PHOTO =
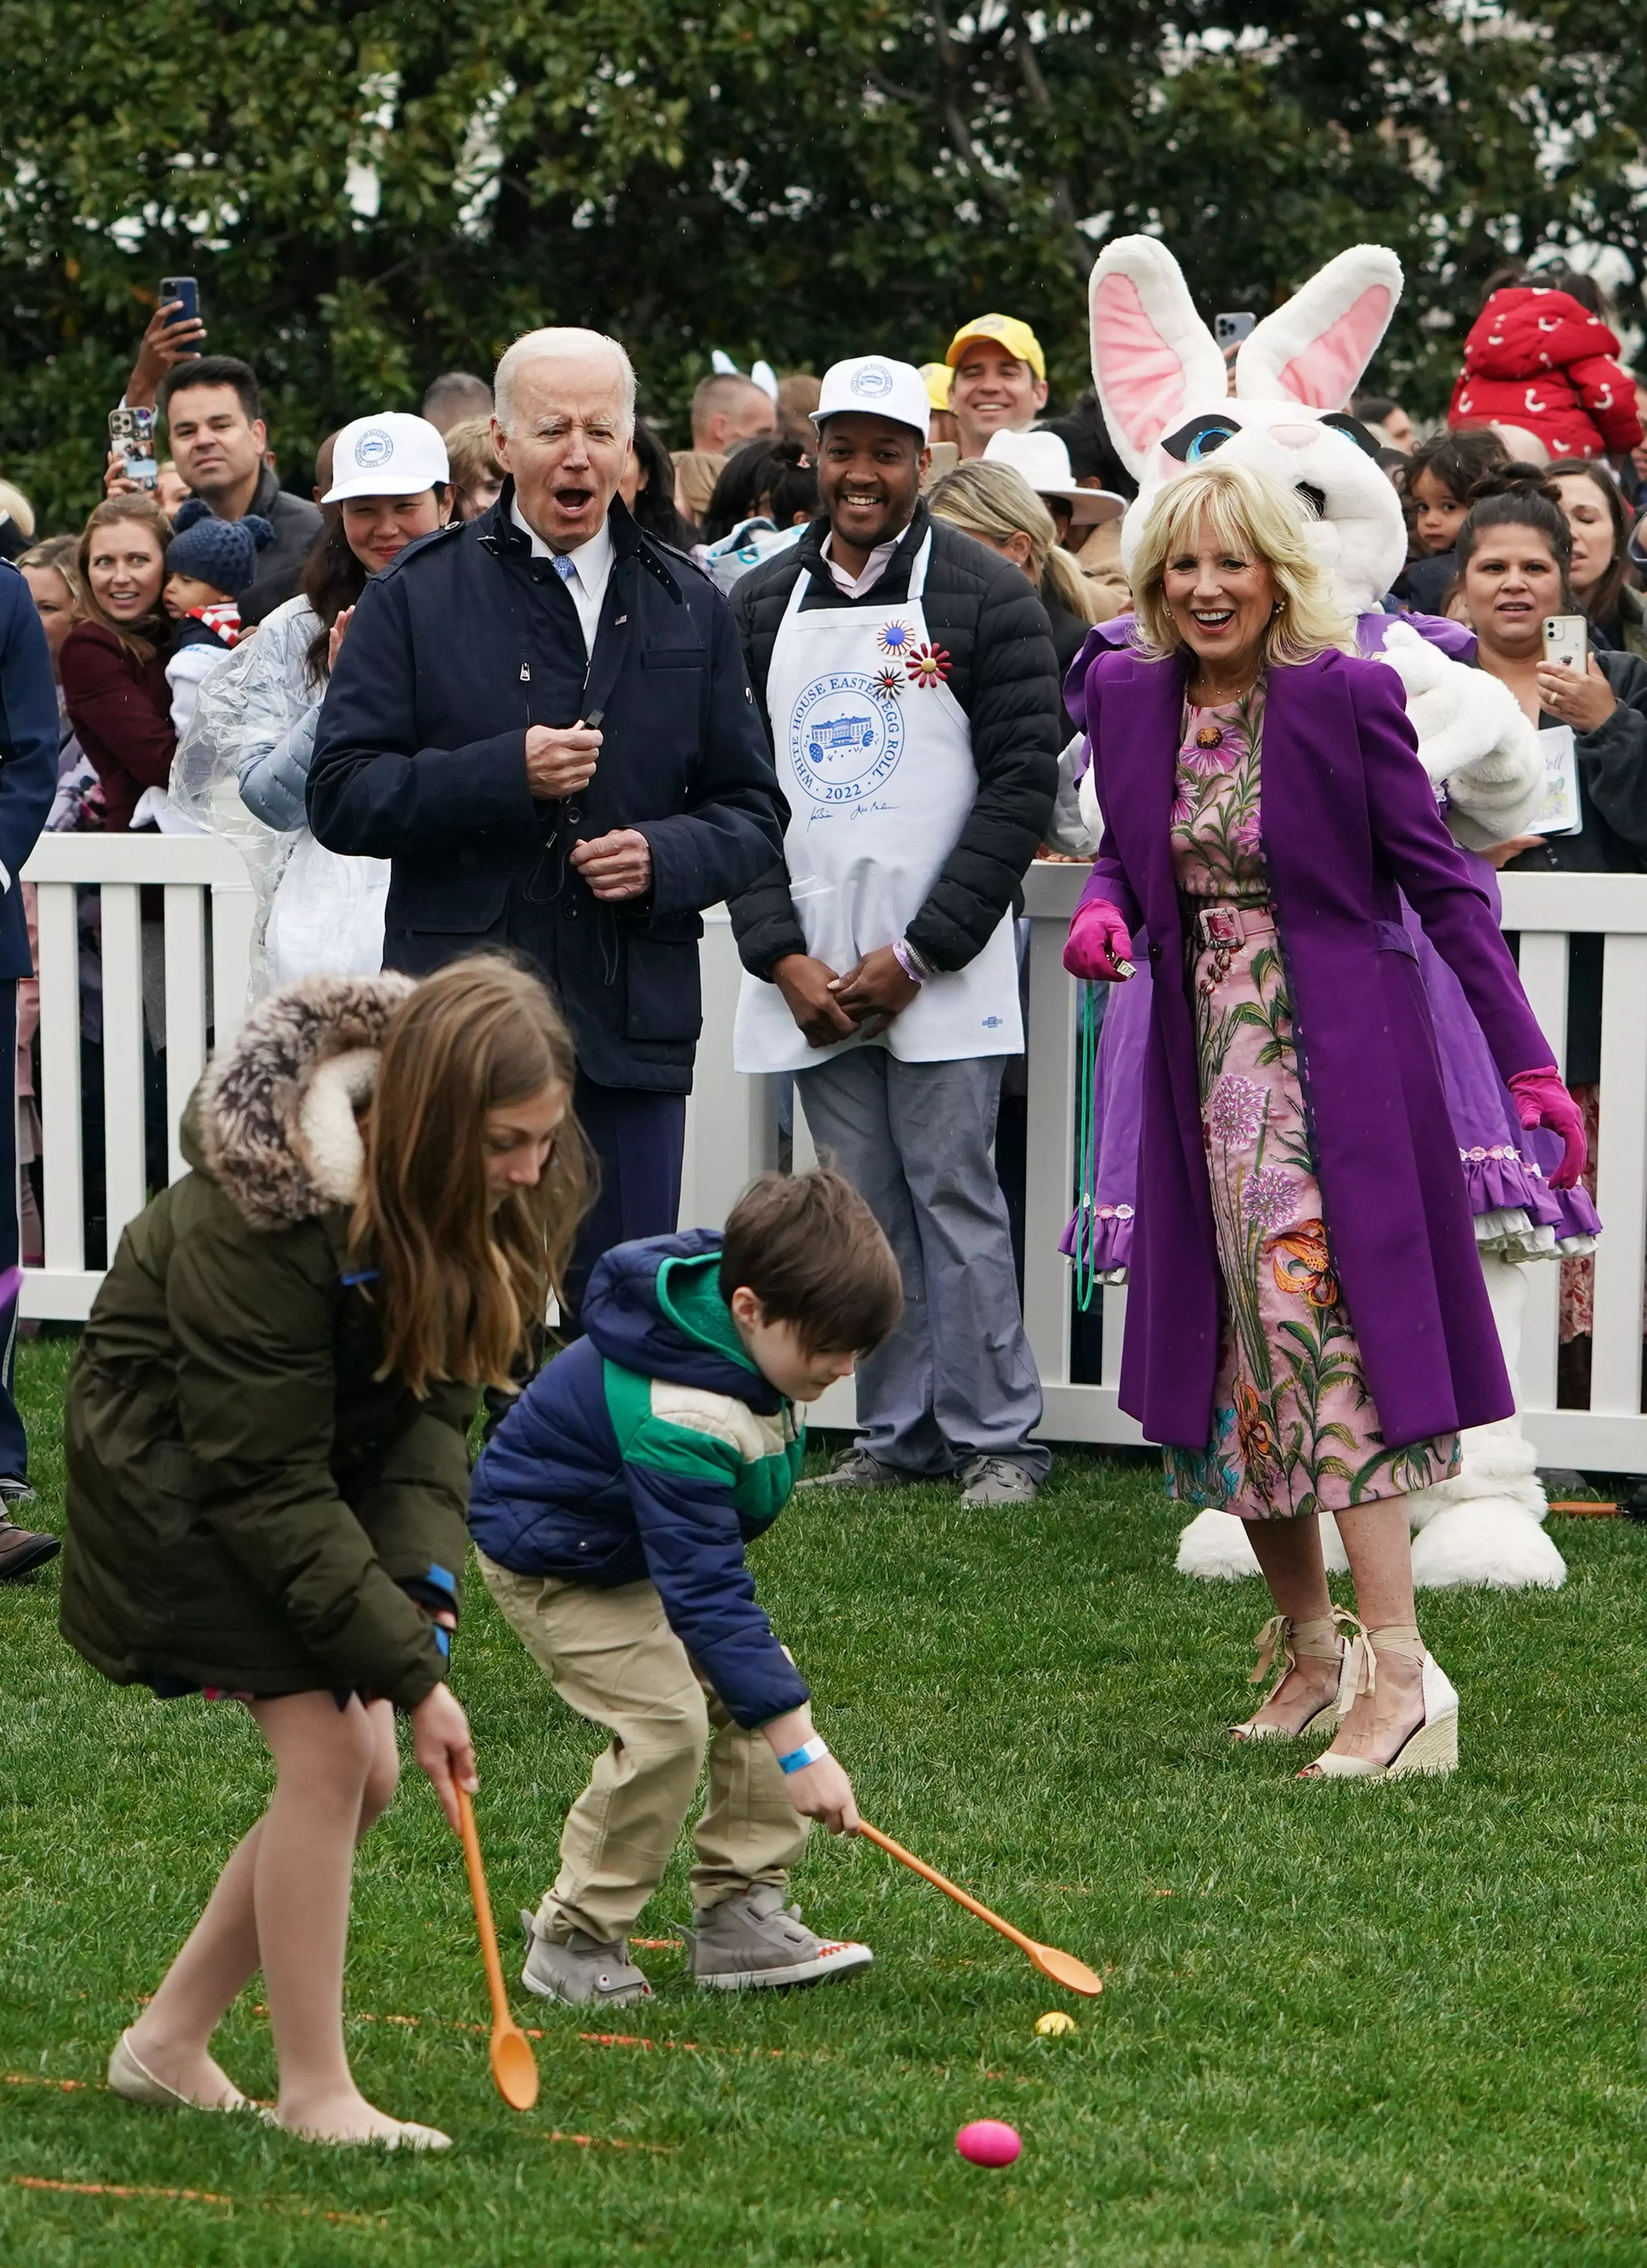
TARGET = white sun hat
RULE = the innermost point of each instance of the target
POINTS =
(391, 454)
(879, 385)
(1043, 461)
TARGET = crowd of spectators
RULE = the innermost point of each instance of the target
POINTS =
(193, 623)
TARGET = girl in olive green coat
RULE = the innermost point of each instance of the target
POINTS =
(267, 1472)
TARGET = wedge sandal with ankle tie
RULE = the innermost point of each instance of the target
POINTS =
(1430, 1746)
(1283, 1641)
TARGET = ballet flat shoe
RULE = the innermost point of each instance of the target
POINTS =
(136, 2083)
(1432, 1747)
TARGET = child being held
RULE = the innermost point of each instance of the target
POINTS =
(210, 563)
(611, 1512)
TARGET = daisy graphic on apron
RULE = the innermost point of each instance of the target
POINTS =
(874, 754)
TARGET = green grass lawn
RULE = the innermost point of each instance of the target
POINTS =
(1372, 2025)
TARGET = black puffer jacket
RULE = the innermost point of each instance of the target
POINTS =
(983, 612)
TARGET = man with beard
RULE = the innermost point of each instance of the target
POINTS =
(907, 677)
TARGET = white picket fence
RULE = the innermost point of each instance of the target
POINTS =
(732, 1124)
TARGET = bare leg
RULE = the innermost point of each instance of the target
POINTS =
(218, 1958)
(330, 1766)
(1288, 1551)
(221, 1954)
(1379, 1547)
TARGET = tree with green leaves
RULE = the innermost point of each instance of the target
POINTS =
(370, 192)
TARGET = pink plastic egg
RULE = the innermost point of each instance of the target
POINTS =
(988, 2142)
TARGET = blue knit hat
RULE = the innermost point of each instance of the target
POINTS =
(221, 552)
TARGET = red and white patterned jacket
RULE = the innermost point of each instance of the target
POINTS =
(1538, 359)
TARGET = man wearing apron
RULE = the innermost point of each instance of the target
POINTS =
(907, 683)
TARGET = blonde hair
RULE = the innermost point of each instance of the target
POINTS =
(462, 1279)
(1243, 510)
(17, 508)
(995, 503)
(472, 454)
(61, 554)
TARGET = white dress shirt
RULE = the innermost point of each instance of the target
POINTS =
(853, 586)
(592, 567)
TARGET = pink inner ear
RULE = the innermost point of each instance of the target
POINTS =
(1143, 376)
(1325, 374)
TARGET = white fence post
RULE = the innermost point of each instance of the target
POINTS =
(186, 869)
(198, 973)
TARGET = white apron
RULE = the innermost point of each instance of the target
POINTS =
(874, 752)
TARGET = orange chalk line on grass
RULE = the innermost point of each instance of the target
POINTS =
(601, 2142)
(591, 2039)
(194, 2196)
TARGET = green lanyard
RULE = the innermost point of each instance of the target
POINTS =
(1086, 1152)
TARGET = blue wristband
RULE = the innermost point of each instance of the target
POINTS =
(797, 1759)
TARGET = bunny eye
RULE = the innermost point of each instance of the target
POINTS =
(1353, 430)
(1194, 443)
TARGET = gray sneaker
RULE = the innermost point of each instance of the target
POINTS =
(857, 1470)
(579, 1971)
(758, 1941)
(996, 1480)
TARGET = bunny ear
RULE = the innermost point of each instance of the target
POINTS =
(1316, 347)
(1153, 357)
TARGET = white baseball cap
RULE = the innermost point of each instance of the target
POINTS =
(880, 385)
(1043, 459)
(391, 454)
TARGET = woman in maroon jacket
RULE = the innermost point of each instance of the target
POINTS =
(113, 663)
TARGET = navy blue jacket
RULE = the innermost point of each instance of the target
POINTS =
(420, 757)
(28, 756)
(653, 1448)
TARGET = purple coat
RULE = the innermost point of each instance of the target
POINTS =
(1348, 819)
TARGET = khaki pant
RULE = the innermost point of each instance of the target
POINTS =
(612, 1656)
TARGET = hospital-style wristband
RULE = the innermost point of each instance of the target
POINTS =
(911, 961)
(797, 1759)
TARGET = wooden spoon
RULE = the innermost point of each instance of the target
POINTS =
(1063, 1967)
(514, 2067)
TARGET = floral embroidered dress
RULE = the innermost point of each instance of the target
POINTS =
(1295, 1431)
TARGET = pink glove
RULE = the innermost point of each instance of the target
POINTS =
(1098, 947)
(1542, 1101)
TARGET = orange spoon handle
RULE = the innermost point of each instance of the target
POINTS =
(950, 1889)
(483, 1911)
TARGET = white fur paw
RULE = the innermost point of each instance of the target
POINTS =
(1492, 1543)
(1214, 1548)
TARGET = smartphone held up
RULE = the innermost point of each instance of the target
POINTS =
(131, 439)
(185, 291)
(1567, 642)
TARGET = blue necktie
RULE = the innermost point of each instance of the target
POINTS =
(565, 567)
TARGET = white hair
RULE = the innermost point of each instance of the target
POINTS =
(558, 345)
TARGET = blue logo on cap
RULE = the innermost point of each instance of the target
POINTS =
(873, 383)
(374, 448)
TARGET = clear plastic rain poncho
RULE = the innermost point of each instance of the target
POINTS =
(316, 911)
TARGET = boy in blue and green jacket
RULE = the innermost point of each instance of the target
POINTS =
(611, 1513)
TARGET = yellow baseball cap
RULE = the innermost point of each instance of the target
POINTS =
(937, 377)
(1017, 338)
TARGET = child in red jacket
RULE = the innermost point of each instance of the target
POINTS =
(1540, 357)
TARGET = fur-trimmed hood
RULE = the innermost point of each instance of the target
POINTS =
(275, 1114)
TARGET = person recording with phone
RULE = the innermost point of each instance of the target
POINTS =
(1514, 549)
(214, 416)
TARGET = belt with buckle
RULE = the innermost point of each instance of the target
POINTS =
(1227, 925)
